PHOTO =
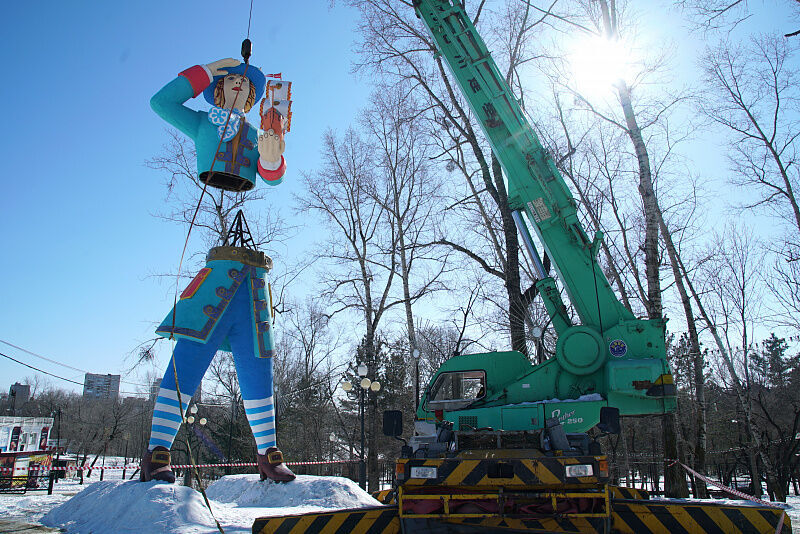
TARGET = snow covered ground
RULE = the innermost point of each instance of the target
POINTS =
(237, 500)
(793, 511)
(130, 506)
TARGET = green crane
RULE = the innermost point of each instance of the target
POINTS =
(611, 358)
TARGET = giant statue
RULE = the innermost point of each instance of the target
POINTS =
(227, 306)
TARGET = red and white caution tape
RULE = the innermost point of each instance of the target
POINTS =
(5, 470)
(738, 493)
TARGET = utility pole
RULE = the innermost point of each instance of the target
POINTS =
(58, 443)
(415, 355)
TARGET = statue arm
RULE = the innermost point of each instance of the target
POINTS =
(168, 103)
(272, 171)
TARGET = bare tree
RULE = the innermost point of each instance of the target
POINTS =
(784, 286)
(715, 14)
(362, 245)
(754, 94)
(396, 45)
(710, 15)
(409, 191)
(737, 302)
(306, 379)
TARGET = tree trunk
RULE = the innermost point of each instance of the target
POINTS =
(517, 308)
(675, 481)
(755, 474)
(674, 477)
(701, 491)
(649, 204)
(405, 269)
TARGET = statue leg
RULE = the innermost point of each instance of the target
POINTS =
(191, 359)
(255, 381)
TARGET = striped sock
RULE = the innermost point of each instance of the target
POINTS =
(261, 415)
(166, 418)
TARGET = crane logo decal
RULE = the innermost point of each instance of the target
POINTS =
(618, 348)
(567, 418)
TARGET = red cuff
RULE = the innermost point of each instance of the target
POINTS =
(272, 176)
(198, 77)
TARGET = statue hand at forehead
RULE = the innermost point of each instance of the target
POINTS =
(221, 66)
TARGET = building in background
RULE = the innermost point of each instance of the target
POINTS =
(19, 434)
(18, 395)
(101, 386)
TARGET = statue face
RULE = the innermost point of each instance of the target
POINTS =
(233, 85)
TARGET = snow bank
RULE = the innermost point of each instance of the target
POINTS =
(132, 506)
(237, 500)
(306, 490)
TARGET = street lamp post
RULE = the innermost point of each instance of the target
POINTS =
(234, 415)
(190, 421)
(415, 355)
(365, 384)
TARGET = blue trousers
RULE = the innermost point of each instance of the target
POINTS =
(192, 360)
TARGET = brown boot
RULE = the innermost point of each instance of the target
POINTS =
(270, 466)
(155, 466)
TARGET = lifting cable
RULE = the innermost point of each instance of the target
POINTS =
(246, 51)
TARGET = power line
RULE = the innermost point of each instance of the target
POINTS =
(26, 351)
(41, 357)
(39, 370)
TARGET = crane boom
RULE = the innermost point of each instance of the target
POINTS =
(611, 353)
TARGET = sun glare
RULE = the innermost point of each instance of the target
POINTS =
(597, 63)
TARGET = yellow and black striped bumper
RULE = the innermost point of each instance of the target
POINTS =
(664, 517)
(387, 496)
(385, 520)
(630, 517)
(510, 473)
(377, 520)
(627, 516)
(622, 492)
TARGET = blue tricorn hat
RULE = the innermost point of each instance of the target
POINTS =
(254, 74)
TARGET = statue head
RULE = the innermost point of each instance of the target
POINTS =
(234, 90)
(248, 79)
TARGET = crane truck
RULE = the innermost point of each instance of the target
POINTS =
(501, 444)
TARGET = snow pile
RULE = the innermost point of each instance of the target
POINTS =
(308, 491)
(132, 506)
(237, 500)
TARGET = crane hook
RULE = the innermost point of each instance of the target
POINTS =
(247, 48)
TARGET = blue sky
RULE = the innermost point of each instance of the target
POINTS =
(79, 241)
(78, 238)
